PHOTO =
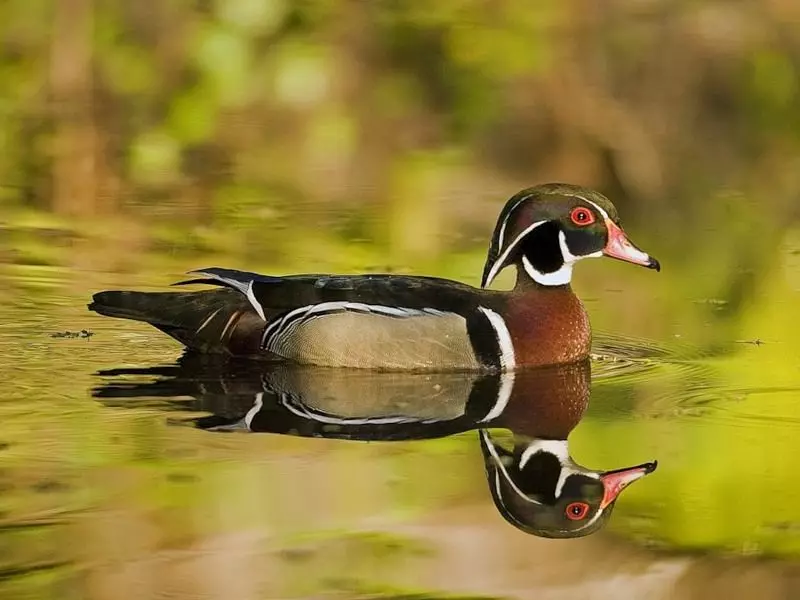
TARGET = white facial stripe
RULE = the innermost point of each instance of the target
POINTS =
(560, 277)
(569, 257)
(505, 221)
(507, 357)
(600, 210)
(498, 264)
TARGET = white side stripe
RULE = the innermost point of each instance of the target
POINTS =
(208, 320)
(507, 363)
(281, 325)
(256, 304)
(507, 358)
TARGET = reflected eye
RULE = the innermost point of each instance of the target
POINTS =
(581, 216)
(576, 510)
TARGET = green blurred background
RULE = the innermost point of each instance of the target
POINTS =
(217, 124)
(139, 140)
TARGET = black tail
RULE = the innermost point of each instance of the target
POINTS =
(219, 320)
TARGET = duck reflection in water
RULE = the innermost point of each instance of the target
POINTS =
(534, 482)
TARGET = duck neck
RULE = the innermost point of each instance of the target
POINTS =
(529, 279)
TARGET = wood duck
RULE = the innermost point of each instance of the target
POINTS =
(538, 488)
(395, 322)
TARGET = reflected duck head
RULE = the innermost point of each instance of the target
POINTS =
(545, 230)
(538, 488)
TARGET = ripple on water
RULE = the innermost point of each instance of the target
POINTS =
(684, 381)
(639, 359)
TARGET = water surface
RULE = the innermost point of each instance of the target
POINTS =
(115, 500)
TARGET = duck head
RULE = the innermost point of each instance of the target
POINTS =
(539, 489)
(545, 230)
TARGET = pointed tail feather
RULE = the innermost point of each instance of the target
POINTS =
(220, 320)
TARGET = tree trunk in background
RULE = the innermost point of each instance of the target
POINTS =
(74, 182)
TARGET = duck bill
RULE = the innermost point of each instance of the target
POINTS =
(616, 481)
(621, 248)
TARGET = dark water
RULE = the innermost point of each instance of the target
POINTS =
(120, 479)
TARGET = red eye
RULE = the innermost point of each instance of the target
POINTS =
(581, 216)
(576, 510)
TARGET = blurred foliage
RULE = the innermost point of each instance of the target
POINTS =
(235, 113)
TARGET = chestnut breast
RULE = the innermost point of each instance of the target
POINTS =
(548, 402)
(548, 326)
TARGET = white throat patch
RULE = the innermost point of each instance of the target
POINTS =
(563, 275)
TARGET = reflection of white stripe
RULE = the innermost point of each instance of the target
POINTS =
(208, 320)
(501, 468)
(498, 264)
(503, 396)
(248, 418)
(230, 322)
(557, 448)
(303, 411)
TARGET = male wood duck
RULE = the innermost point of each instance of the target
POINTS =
(396, 322)
(538, 488)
